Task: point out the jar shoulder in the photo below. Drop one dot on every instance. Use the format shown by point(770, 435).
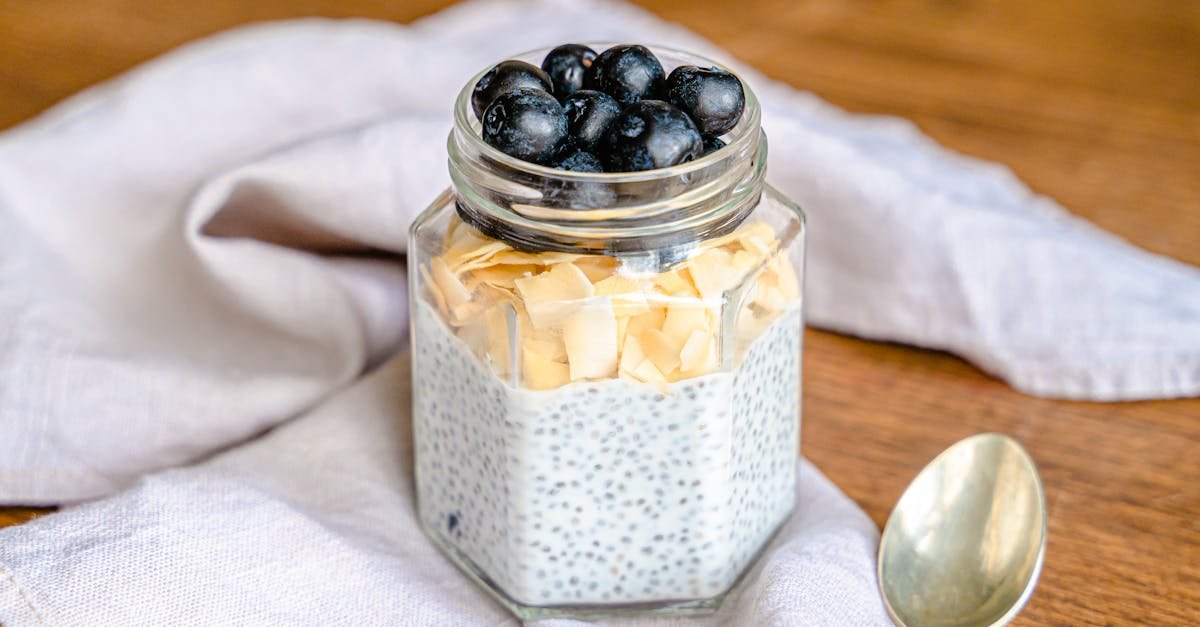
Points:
point(784, 215)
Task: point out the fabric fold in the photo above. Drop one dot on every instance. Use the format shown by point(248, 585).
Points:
point(315, 524)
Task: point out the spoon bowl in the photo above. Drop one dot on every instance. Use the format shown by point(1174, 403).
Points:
point(964, 546)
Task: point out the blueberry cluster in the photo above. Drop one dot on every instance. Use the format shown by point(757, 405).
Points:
point(616, 111)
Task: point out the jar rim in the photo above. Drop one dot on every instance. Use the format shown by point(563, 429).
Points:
point(746, 131)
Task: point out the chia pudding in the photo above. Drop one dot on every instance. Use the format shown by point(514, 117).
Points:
point(608, 491)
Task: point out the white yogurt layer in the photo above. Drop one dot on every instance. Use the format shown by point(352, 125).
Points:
point(610, 491)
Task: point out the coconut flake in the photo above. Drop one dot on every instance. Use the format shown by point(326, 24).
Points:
point(554, 257)
point(653, 319)
point(673, 282)
point(496, 322)
point(596, 267)
point(696, 355)
point(745, 261)
point(502, 276)
point(713, 272)
point(759, 230)
point(648, 372)
point(771, 299)
point(661, 350)
point(631, 354)
point(755, 246)
point(552, 349)
point(551, 296)
point(545, 342)
point(451, 229)
point(438, 298)
point(789, 284)
point(473, 333)
point(470, 247)
point(540, 373)
point(590, 337)
point(622, 328)
point(684, 318)
point(516, 258)
point(627, 296)
point(457, 296)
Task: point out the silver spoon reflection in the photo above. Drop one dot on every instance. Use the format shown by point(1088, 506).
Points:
point(964, 545)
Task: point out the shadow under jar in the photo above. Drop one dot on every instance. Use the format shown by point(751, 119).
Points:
point(606, 373)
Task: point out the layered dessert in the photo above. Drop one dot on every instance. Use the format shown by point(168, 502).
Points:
point(606, 368)
point(587, 435)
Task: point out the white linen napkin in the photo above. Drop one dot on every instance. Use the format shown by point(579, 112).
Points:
point(314, 524)
point(206, 247)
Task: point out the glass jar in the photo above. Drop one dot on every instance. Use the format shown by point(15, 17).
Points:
point(606, 373)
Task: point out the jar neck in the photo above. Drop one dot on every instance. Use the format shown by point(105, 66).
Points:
point(655, 212)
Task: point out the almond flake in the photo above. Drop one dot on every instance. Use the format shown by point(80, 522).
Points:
point(550, 297)
point(590, 336)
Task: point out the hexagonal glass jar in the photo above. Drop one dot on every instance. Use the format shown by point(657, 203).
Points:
point(606, 373)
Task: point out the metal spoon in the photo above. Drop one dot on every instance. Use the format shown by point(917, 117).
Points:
point(964, 545)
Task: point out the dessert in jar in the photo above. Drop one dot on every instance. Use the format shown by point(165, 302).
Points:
point(607, 330)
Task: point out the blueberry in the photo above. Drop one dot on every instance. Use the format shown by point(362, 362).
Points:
point(627, 73)
point(566, 65)
point(650, 134)
point(526, 123)
point(580, 161)
point(712, 143)
point(589, 114)
point(505, 77)
point(714, 98)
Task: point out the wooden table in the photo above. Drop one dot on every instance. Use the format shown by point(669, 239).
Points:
point(1093, 102)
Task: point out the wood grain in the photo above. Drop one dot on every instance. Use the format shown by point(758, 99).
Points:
point(17, 515)
point(1093, 102)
